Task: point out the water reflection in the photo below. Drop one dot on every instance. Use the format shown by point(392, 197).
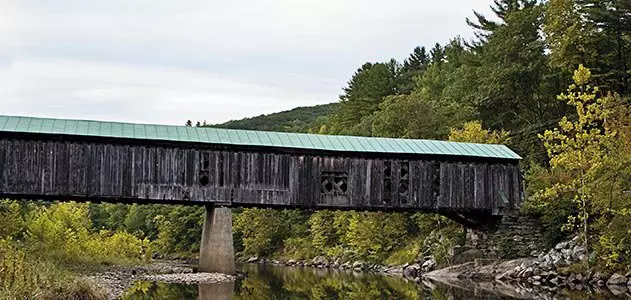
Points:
point(220, 291)
point(273, 282)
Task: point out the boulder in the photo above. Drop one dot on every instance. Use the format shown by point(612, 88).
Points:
point(319, 260)
point(467, 256)
point(617, 279)
point(412, 271)
point(358, 265)
point(395, 270)
point(561, 245)
point(252, 259)
point(428, 265)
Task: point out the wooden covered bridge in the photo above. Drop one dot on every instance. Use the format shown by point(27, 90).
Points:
point(56, 159)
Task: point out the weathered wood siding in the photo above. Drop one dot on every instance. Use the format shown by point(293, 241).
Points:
point(134, 173)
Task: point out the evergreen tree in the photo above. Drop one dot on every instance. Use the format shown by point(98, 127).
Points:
point(363, 94)
point(413, 66)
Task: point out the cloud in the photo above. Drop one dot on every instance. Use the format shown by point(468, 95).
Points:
point(169, 61)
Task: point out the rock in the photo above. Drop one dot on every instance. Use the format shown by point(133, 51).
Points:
point(578, 253)
point(567, 253)
point(467, 256)
point(561, 245)
point(252, 259)
point(600, 282)
point(617, 290)
point(617, 279)
point(527, 272)
point(395, 270)
point(291, 262)
point(190, 278)
point(428, 265)
point(319, 260)
point(412, 271)
point(358, 265)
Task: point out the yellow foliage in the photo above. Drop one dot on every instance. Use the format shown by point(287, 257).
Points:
point(472, 132)
point(590, 155)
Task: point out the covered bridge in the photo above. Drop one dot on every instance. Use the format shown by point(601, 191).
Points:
point(83, 160)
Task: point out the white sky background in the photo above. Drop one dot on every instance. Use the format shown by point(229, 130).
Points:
point(156, 61)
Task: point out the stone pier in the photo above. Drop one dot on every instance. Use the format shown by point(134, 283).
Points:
point(216, 251)
point(516, 235)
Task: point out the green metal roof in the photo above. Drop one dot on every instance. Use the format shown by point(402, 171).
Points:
point(250, 138)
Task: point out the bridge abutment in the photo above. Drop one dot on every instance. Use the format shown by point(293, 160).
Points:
point(514, 235)
point(216, 251)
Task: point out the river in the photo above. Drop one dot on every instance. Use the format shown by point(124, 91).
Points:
point(278, 282)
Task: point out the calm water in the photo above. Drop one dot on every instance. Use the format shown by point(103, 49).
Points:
point(275, 282)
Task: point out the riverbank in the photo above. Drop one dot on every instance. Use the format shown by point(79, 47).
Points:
point(114, 280)
point(411, 270)
point(543, 276)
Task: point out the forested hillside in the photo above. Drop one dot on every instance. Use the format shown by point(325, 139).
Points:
point(300, 119)
point(550, 79)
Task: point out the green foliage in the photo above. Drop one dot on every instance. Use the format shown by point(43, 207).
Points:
point(439, 235)
point(62, 231)
point(406, 254)
point(301, 119)
point(372, 235)
point(589, 168)
point(365, 91)
point(324, 234)
point(263, 230)
point(11, 219)
point(179, 230)
point(25, 276)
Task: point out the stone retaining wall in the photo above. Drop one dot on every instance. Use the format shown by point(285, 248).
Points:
point(517, 235)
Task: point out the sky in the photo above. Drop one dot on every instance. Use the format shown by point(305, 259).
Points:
point(165, 62)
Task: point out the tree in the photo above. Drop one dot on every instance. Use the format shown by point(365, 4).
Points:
point(472, 132)
point(612, 18)
point(571, 38)
point(580, 148)
point(365, 91)
point(413, 66)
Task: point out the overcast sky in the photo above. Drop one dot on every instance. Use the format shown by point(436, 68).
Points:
point(156, 61)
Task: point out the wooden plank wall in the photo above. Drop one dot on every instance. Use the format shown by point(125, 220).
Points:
point(129, 173)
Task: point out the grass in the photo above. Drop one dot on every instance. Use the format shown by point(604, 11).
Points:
point(24, 276)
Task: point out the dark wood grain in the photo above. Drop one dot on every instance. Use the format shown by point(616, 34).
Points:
point(130, 173)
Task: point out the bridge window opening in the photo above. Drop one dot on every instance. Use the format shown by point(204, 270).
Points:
point(405, 170)
point(335, 183)
point(340, 182)
point(326, 186)
point(404, 182)
point(387, 169)
point(203, 180)
point(204, 161)
point(387, 183)
point(204, 166)
point(436, 182)
point(387, 191)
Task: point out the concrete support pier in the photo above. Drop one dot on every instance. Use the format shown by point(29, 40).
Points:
point(216, 251)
